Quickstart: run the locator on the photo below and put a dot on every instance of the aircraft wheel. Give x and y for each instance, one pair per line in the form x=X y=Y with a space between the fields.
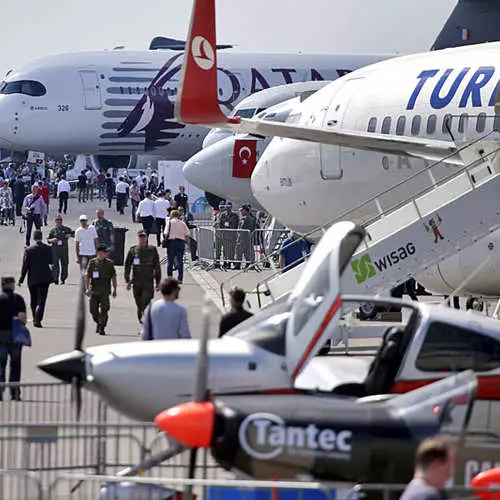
x=475 y=303
x=367 y=311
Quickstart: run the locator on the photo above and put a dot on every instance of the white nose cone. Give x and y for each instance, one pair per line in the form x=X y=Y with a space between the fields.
x=213 y=169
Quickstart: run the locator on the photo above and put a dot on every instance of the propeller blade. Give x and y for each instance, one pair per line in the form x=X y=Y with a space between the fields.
x=192 y=464
x=201 y=381
x=76 y=396
x=80 y=318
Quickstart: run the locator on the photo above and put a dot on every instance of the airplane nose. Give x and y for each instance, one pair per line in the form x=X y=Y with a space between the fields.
x=65 y=367
x=191 y=424
x=205 y=170
x=215 y=135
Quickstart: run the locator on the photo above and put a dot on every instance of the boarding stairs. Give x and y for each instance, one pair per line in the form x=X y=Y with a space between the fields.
x=409 y=237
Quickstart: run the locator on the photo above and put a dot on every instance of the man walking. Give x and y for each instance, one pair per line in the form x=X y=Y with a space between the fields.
x=237 y=314
x=43 y=190
x=37 y=263
x=161 y=215
x=229 y=222
x=110 y=189
x=12 y=305
x=164 y=319
x=58 y=238
x=82 y=187
x=105 y=230
x=182 y=199
x=19 y=194
x=143 y=262
x=86 y=242
x=34 y=207
x=121 y=195
x=63 y=190
x=101 y=184
x=146 y=212
x=98 y=279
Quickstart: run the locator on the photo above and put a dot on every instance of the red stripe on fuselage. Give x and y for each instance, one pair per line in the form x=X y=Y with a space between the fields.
x=488 y=387
x=329 y=315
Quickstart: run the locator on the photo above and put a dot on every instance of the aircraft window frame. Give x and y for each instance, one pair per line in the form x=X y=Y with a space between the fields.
x=453 y=348
x=416 y=123
x=401 y=125
x=386 y=125
x=245 y=112
x=372 y=124
x=481 y=122
x=431 y=124
x=447 y=121
x=32 y=88
x=462 y=122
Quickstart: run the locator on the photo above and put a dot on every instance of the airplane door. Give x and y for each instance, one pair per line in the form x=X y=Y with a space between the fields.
x=91 y=89
x=331 y=156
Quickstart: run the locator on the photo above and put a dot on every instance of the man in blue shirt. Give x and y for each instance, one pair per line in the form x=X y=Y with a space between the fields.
x=293 y=251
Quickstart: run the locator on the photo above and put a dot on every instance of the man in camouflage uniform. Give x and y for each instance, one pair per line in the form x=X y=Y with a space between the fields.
x=104 y=229
x=144 y=262
x=228 y=221
x=100 y=274
x=244 y=244
x=58 y=238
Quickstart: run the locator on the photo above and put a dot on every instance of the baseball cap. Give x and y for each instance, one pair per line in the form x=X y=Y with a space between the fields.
x=141 y=232
x=245 y=206
x=222 y=204
x=83 y=217
x=102 y=248
x=229 y=204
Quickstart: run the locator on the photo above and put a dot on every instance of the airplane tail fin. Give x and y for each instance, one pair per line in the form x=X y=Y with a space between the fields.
x=197 y=102
x=471 y=22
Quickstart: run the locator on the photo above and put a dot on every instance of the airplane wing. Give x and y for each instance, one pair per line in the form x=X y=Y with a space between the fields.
x=198 y=104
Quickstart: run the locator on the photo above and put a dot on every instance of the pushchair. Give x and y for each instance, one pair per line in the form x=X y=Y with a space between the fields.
x=7 y=214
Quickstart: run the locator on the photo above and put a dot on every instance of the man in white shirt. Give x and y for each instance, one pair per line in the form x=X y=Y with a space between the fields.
x=85 y=242
x=146 y=212
x=138 y=179
x=90 y=184
x=161 y=215
x=121 y=195
x=63 y=189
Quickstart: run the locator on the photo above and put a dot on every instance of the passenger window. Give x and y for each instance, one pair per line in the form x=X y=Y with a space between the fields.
x=372 y=125
x=462 y=122
x=400 y=125
x=415 y=125
x=386 y=125
x=447 y=124
x=481 y=122
x=451 y=348
x=431 y=124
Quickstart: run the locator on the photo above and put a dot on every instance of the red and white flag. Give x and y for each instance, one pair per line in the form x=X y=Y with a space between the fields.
x=244 y=158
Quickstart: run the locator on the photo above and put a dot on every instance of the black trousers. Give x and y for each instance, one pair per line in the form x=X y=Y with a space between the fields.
x=12 y=351
x=19 y=206
x=147 y=224
x=121 y=199
x=63 y=202
x=31 y=219
x=38 y=299
x=109 y=196
x=160 y=227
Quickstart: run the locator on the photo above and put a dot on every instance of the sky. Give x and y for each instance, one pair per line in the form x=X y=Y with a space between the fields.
x=334 y=26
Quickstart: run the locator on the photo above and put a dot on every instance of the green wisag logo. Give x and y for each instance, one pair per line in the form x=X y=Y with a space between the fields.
x=363 y=269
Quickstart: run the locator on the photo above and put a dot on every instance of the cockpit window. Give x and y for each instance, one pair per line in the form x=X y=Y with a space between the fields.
x=26 y=87
x=245 y=113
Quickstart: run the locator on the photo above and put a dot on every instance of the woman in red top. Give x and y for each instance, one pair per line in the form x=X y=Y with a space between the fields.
x=43 y=191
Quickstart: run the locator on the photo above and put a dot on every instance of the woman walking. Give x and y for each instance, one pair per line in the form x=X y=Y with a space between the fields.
x=176 y=236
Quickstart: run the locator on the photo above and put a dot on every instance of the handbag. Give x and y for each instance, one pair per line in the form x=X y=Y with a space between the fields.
x=20 y=333
x=165 y=242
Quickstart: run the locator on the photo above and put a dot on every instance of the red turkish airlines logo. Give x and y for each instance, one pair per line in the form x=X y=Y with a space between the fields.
x=203 y=53
x=244 y=158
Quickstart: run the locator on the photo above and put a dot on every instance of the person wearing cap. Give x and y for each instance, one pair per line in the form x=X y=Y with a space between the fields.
x=229 y=222
x=85 y=242
x=12 y=305
x=104 y=229
x=218 y=234
x=142 y=270
x=58 y=238
x=161 y=214
x=37 y=262
x=100 y=275
x=237 y=314
x=244 y=243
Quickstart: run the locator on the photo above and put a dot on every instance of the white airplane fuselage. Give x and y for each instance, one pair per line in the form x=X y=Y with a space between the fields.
x=122 y=102
x=442 y=95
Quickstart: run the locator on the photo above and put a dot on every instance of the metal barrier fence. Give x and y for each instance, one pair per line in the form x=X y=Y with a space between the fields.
x=17 y=486
x=40 y=434
x=238 y=247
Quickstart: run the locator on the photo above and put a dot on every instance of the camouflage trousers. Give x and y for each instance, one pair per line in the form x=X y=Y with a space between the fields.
x=99 y=308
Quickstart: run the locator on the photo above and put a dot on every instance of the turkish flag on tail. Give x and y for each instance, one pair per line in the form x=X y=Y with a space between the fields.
x=244 y=158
